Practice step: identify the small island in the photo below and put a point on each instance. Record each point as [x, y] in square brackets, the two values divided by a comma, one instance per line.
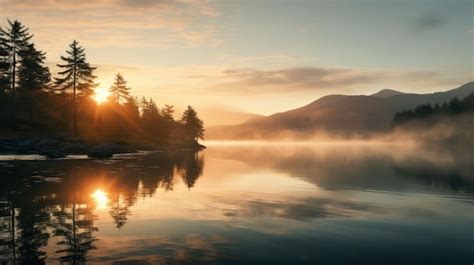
[69, 113]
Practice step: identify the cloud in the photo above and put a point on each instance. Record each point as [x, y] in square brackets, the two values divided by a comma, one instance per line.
[291, 79]
[122, 23]
[304, 209]
[428, 21]
[322, 80]
[296, 79]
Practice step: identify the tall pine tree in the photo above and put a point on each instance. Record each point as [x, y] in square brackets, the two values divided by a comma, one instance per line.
[77, 75]
[14, 38]
[4, 66]
[119, 94]
[33, 76]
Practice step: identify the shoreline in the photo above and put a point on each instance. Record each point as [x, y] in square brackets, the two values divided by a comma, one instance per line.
[57, 148]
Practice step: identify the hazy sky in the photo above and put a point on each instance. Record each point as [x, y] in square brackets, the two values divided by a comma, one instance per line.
[259, 56]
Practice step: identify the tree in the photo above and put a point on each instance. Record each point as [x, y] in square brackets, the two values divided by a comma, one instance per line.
[33, 76]
[132, 114]
[119, 92]
[167, 112]
[77, 75]
[14, 39]
[4, 66]
[191, 168]
[119, 211]
[455, 106]
[193, 126]
[74, 224]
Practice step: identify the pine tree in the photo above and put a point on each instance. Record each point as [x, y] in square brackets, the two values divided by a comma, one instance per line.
[455, 106]
[132, 112]
[167, 112]
[193, 126]
[14, 38]
[4, 65]
[33, 76]
[77, 75]
[119, 92]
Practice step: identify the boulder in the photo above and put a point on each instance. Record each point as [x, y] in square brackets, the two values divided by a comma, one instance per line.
[30, 142]
[100, 152]
[47, 144]
[75, 149]
[52, 154]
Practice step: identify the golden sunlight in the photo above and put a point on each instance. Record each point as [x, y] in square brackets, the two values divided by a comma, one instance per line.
[100, 198]
[101, 95]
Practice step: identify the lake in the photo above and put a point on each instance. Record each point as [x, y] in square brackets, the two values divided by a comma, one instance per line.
[242, 203]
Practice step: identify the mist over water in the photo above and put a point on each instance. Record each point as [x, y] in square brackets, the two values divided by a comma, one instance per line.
[339, 202]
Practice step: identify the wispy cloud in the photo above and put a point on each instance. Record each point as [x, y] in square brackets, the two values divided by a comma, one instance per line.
[290, 79]
[122, 23]
[241, 81]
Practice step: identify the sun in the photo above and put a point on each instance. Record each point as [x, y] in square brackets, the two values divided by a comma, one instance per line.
[101, 95]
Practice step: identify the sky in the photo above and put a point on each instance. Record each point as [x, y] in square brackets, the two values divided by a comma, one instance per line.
[259, 56]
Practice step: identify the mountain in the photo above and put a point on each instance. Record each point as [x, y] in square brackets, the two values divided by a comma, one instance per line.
[386, 93]
[339, 115]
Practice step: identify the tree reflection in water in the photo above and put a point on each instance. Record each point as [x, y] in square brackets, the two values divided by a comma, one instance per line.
[50, 199]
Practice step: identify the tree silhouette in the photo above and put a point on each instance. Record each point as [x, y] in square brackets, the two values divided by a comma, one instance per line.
[119, 211]
[119, 94]
[4, 65]
[33, 223]
[167, 112]
[192, 169]
[424, 111]
[75, 225]
[26, 91]
[131, 107]
[151, 120]
[14, 39]
[455, 106]
[193, 126]
[77, 75]
[33, 76]
[7, 231]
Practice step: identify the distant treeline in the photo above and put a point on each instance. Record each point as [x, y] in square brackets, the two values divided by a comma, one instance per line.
[32, 100]
[425, 111]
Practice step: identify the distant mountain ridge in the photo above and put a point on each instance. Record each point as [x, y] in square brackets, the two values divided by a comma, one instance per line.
[336, 114]
[386, 93]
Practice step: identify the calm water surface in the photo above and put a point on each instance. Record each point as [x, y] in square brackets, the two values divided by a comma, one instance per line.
[242, 204]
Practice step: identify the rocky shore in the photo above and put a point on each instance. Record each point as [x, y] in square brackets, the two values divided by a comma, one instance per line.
[54, 148]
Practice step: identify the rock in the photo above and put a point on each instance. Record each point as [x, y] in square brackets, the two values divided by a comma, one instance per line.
[74, 149]
[30, 142]
[100, 152]
[52, 154]
[47, 144]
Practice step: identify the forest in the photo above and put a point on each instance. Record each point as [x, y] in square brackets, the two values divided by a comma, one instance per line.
[426, 112]
[35, 102]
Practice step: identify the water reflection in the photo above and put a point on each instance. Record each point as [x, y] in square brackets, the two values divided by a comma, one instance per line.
[100, 198]
[35, 211]
[305, 205]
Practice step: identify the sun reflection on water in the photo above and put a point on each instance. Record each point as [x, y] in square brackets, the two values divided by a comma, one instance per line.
[100, 198]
